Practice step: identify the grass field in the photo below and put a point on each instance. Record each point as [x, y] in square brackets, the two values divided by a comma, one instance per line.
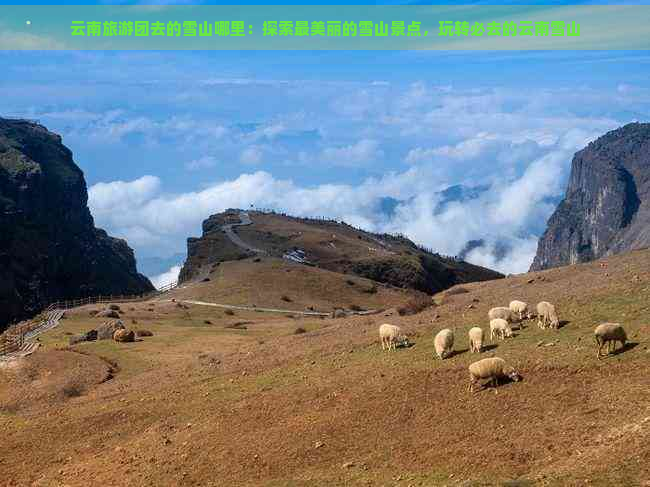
[258, 404]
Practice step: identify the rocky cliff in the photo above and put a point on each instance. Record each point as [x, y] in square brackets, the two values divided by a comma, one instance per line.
[49, 246]
[606, 209]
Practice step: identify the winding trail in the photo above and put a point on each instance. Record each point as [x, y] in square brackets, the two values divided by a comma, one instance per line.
[244, 219]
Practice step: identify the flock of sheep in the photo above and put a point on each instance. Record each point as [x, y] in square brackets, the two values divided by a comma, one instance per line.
[493, 369]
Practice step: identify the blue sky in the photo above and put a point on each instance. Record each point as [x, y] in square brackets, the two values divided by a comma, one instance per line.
[167, 138]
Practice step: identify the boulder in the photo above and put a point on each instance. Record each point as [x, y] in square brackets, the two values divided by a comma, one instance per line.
[108, 313]
[124, 336]
[339, 313]
[89, 336]
[107, 330]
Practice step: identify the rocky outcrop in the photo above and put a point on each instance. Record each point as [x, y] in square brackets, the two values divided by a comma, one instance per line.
[606, 209]
[49, 247]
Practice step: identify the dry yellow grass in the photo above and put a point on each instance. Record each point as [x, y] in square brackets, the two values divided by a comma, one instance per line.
[200, 404]
[265, 283]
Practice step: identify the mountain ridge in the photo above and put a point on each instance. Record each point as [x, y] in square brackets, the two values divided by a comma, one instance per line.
[331, 245]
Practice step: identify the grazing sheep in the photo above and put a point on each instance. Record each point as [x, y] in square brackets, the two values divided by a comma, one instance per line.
[546, 315]
[500, 328]
[608, 334]
[475, 339]
[493, 368]
[390, 335]
[444, 343]
[520, 308]
[503, 313]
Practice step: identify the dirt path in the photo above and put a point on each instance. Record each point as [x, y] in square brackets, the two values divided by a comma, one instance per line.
[245, 219]
[251, 308]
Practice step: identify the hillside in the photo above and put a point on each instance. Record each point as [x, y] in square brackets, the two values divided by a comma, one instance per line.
[278, 283]
[329, 245]
[49, 246]
[242, 399]
[606, 209]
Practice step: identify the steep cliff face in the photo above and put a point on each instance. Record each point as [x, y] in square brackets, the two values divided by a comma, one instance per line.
[49, 246]
[606, 209]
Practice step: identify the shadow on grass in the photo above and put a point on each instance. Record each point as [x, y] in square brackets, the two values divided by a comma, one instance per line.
[487, 348]
[562, 324]
[457, 352]
[488, 384]
[628, 346]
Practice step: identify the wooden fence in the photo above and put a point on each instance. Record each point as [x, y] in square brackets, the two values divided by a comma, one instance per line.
[11, 343]
[13, 338]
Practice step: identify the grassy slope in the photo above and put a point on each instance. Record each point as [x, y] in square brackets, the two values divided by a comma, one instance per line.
[266, 282]
[288, 410]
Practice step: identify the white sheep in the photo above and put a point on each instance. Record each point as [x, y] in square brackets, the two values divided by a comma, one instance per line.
[390, 336]
[500, 328]
[503, 313]
[547, 316]
[608, 334]
[444, 343]
[520, 308]
[475, 339]
[493, 368]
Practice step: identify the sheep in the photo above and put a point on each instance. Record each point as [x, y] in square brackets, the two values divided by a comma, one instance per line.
[546, 315]
[493, 368]
[443, 343]
[501, 312]
[500, 328]
[608, 334]
[475, 339]
[520, 308]
[390, 335]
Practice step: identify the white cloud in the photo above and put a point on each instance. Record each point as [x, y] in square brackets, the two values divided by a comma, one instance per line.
[205, 162]
[360, 153]
[519, 146]
[107, 196]
[164, 221]
[114, 125]
[166, 277]
[506, 212]
[270, 131]
[13, 40]
[517, 260]
[251, 155]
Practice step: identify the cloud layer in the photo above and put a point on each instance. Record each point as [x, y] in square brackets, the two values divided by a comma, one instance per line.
[510, 213]
[166, 139]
